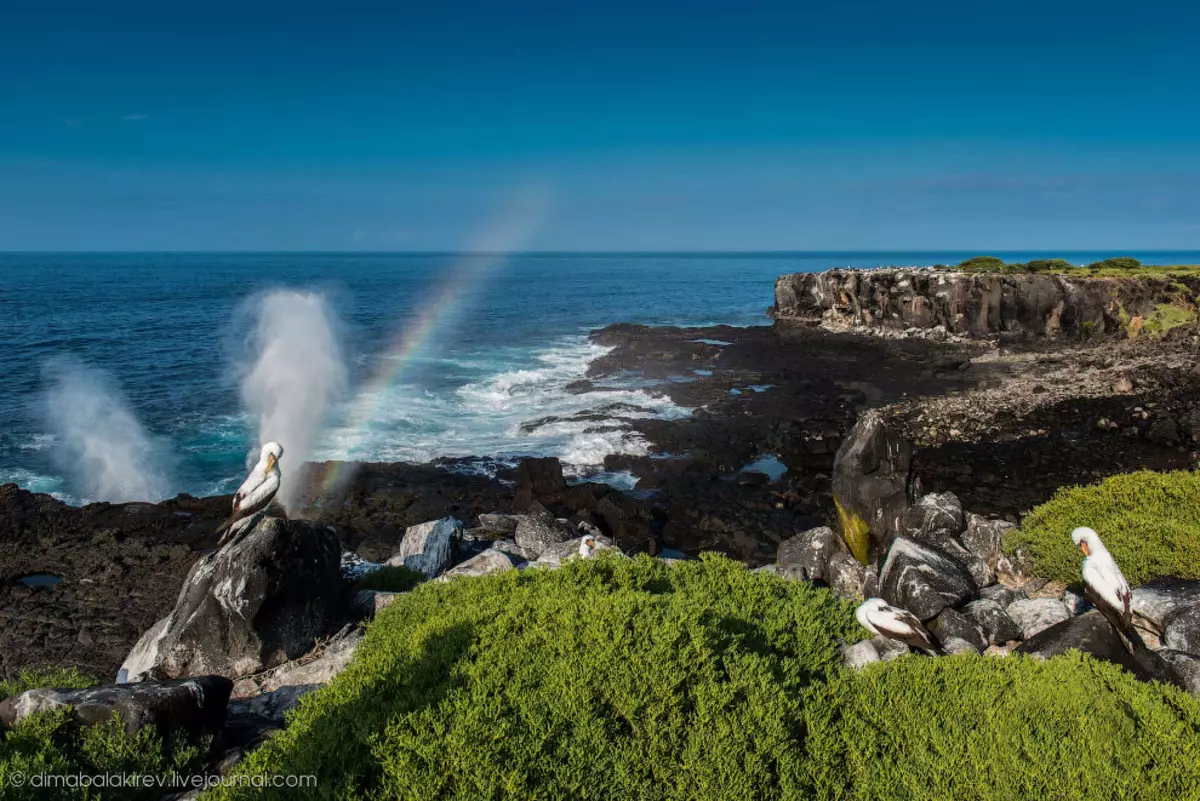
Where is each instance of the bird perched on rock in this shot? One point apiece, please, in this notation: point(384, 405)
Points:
point(877, 617)
point(256, 492)
point(586, 546)
point(1105, 585)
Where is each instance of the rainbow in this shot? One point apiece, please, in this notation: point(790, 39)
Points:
point(489, 251)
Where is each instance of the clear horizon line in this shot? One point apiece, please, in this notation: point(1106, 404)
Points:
point(656, 252)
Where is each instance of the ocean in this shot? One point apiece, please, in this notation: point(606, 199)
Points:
point(443, 355)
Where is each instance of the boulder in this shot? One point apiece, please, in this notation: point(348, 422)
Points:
point(1076, 601)
point(845, 575)
point(1092, 634)
point(981, 574)
point(985, 538)
point(538, 531)
point(860, 654)
point(540, 476)
point(952, 624)
point(889, 649)
point(1001, 594)
point(559, 552)
point(1181, 630)
point(253, 604)
point(871, 474)
point(995, 623)
point(957, 645)
point(493, 560)
point(934, 518)
point(428, 547)
point(806, 556)
point(194, 706)
point(1155, 600)
point(497, 523)
point(1187, 667)
point(1034, 615)
point(923, 579)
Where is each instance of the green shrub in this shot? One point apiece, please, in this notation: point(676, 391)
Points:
point(1149, 521)
point(390, 579)
point(1000, 728)
point(982, 264)
point(607, 678)
point(58, 678)
point(1055, 266)
point(1165, 317)
point(1119, 263)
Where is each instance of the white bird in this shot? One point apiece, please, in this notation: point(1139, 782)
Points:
point(1104, 583)
point(877, 617)
point(256, 492)
point(586, 546)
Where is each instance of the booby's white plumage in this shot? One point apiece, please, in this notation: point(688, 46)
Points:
point(1103, 580)
point(586, 546)
point(256, 491)
point(877, 617)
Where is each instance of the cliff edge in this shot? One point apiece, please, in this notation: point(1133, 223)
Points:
point(987, 305)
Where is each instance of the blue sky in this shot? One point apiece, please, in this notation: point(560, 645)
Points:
point(608, 125)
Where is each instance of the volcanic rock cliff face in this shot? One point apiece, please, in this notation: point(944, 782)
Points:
point(978, 305)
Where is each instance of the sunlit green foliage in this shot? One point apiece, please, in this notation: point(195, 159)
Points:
point(1149, 521)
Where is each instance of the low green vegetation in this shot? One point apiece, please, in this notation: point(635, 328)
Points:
point(1122, 266)
point(618, 679)
point(1165, 317)
point(390, 579)
point(52, 744)
point(988, 728)
point(1149, 521)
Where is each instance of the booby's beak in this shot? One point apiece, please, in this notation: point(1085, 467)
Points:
point(589, 542)
point(1083, 546)
point(271, 461)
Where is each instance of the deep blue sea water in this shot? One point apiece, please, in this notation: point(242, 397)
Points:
point(167, 331)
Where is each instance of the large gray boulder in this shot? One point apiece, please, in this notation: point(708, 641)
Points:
point(934, 518)
point(493, 560)
point(497, 523)
point(985, 538)
point(805, 557)
point(951, 624)
point(1187, 666)
point(1034, 615)
point(845, 576)
point(428, 547)
point(872, 474)
point(1092, 634)
point(997, 626)
point(981, 574)
point(255, 603)
point(194, 706)
point(1155, 600)
point(538, 531)
point(923, 579)
point(1181, 630)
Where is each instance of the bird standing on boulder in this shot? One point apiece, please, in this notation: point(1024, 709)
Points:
point(877, 617)
point(586, 546)
point(1105, 585)
point(256, 492)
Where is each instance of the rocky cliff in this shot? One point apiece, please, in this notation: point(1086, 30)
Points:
point(987, 304)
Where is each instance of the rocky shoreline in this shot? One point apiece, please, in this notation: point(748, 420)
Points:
point(1001, 424)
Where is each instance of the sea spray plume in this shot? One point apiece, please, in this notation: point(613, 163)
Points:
point(99, 441)
point(293, 374)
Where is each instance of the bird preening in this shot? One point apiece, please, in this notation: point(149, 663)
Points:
point(586, 547)
point(255, 494)
point(1105, 585)
point(877, 617)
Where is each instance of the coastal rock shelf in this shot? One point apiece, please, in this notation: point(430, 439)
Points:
point(977, 305)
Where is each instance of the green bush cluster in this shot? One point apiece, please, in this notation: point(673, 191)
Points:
point(1149, 521)
point(1000, 728)
point(52, 743)
point(620, 679)
point(390, 579)
point(1116, 267)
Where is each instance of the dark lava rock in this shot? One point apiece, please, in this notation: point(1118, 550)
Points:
point(194, 706)
point(805, 557)
point(259, 601)
point(871, 474)
point(934, 518)
point(429, 547)
point(1156, 600)
point(540, 476)
point(538, 531)
point(997, 626)
point(845, 576)
point(1001, 594)
point(985, 538)
point(1187, 666)
point(950, 624)
point(923, 579)
point(1092, 634)
point(498, 523)
point(1181, 630)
